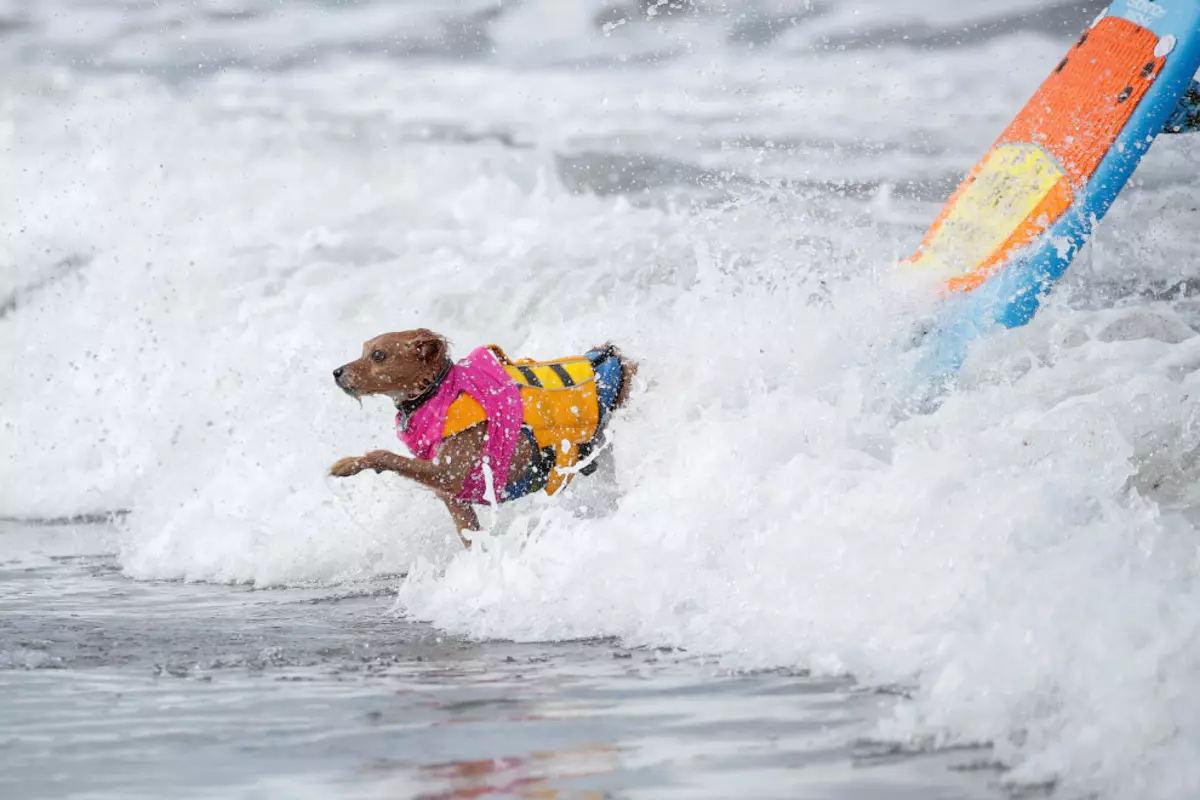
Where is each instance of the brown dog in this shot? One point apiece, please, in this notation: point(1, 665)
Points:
point(410, 367)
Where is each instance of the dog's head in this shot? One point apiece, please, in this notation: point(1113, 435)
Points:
point(401, 365)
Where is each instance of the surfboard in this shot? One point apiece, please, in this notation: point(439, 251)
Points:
point(1018, 219)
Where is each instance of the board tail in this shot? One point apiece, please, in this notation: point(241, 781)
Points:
point(1186, 116)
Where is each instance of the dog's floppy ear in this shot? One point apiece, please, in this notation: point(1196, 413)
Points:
point(430, 347)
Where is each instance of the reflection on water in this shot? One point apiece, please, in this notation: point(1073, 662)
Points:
point(538, 775)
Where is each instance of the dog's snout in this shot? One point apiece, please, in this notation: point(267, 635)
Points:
point(345, 380)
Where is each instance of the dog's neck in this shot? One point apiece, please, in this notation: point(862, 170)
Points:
point(409, 405)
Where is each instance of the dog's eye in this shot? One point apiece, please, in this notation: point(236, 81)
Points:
point(378, 355)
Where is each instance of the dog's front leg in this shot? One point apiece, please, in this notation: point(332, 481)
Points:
point(464, 516)
point(446, 474)
point(432, 474)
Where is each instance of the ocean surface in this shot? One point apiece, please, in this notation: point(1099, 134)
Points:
point(207, 206)
point(117, 688)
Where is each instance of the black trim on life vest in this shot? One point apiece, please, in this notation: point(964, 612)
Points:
point(541, 464)
point(598, 357)
point(409, 406)
point(530, 377)
point(585, 450)
point(563, 375)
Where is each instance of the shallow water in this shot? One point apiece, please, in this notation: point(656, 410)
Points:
point(209, 205)
point(119, 688)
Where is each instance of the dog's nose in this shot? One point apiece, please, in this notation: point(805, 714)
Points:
point(337, 373)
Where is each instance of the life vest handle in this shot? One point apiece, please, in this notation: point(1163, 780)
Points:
point(509, 362)
point(500, 355)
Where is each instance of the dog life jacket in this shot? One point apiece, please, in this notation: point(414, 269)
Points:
point(563, 404)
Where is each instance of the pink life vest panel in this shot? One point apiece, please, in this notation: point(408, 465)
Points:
point(484, 379)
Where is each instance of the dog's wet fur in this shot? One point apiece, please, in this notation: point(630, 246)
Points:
point(406, 367)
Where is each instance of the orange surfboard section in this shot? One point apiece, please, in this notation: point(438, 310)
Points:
point(1049, 152)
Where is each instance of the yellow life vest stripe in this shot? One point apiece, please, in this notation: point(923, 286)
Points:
point(549, 374)
point(580, 371)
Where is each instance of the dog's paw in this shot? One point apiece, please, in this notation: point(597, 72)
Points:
point(345, 467)
point(378, 460)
